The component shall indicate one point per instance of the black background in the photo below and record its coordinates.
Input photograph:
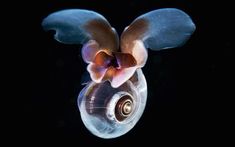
(188, 87)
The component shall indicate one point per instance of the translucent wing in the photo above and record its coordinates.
(77, 26)
(157, 30)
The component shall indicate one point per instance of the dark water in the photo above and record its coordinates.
(187, 86)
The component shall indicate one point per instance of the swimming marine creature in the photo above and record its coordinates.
(114, 100)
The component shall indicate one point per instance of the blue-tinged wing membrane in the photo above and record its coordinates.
(159, 29)
(77, 26)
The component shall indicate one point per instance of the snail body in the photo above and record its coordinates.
(114, 100)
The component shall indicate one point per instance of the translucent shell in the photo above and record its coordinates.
(110, 112)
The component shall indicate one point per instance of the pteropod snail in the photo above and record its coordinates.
(114, 100)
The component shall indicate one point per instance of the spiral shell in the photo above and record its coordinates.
(109, 112)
